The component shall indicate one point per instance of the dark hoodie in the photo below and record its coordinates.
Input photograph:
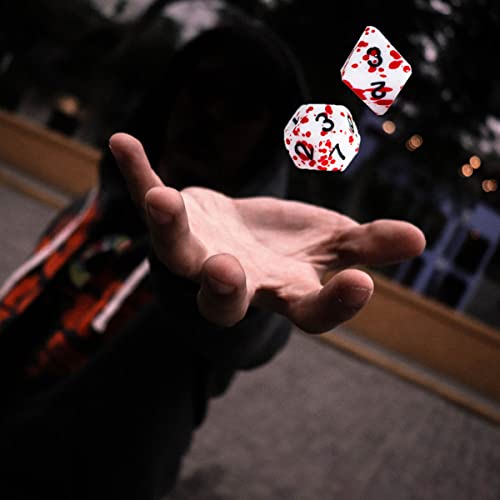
(117, 423)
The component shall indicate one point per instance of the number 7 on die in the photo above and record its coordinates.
(375, 71)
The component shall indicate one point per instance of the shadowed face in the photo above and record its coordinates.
(215, 126)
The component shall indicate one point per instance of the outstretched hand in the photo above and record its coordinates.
(263, 251)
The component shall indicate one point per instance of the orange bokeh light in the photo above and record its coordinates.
(389, 127)
(467, 170)
(475, 161)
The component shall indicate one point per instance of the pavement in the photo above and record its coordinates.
(315, 422)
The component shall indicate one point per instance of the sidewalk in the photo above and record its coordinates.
(316, 422)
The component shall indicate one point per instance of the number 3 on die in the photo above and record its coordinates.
(328, 124)
(375, 71)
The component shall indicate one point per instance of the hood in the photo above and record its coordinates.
(269, 162)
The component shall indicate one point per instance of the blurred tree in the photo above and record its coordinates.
(452, 99)
(46, 40)
(74, 48)
(104, 51)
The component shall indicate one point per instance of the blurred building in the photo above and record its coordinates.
(79, 68)
(460, 266)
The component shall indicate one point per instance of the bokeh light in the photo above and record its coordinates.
(467, 170)
(68, 104)
(389, 127)
(475, 161)
(489, 185)
(414, 142)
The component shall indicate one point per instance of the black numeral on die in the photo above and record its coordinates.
(351, 125)
(374, 52)
(377, 92)
(327, 123)
(302, 149)
(337, 148)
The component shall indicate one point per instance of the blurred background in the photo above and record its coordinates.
(433, 159)
(314, 423)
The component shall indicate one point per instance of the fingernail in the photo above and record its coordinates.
(355, 297)
(159, 216)
(220, 287)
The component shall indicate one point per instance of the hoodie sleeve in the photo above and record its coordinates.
(251, 342)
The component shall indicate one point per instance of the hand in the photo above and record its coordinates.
(263, 251)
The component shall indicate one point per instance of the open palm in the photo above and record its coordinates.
(263, 251)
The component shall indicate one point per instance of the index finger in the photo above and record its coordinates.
(134, 166)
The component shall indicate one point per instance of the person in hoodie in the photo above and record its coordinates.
(185, 265)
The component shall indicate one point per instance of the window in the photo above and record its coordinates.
(471, 253)
(446, 287)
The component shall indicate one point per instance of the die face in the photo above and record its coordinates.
(295, 119)
(322, 137)
(375, 71)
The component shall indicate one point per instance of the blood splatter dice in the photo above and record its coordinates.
(322, 137)
(375, 71)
